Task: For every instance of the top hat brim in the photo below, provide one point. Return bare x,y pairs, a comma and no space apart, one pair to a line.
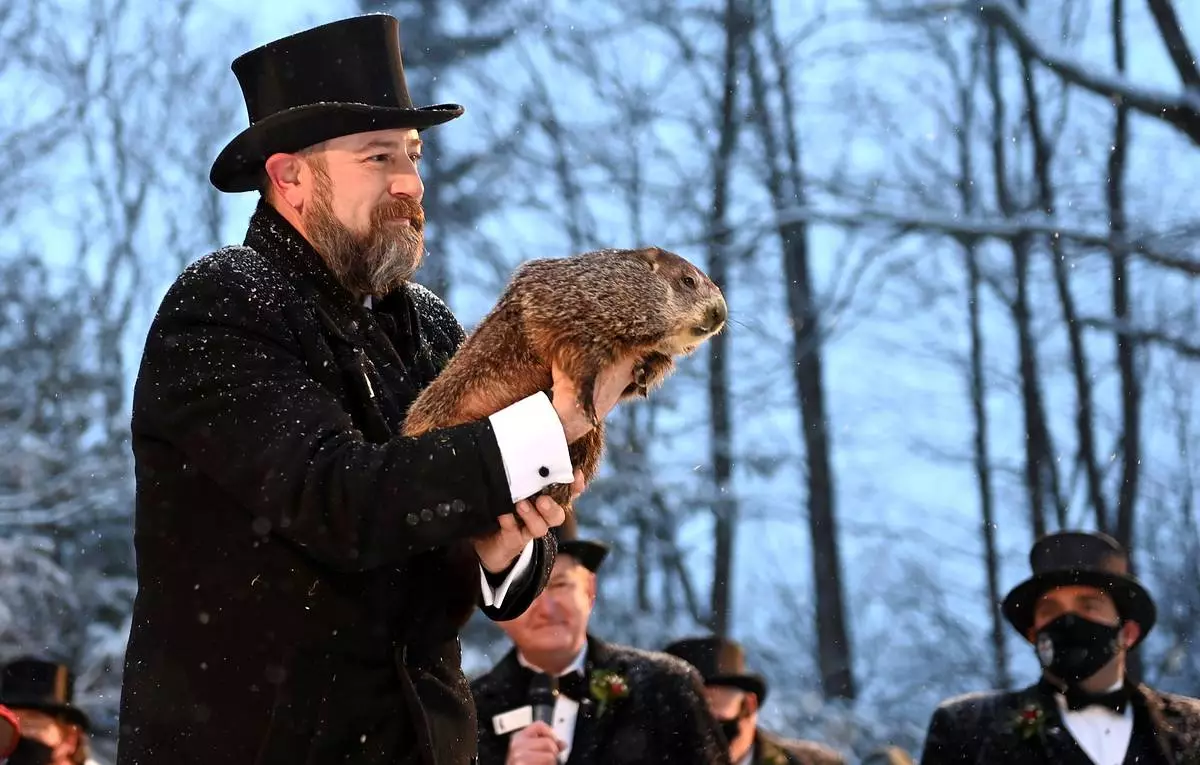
239,165
68,713
589,554
751,682
1131,598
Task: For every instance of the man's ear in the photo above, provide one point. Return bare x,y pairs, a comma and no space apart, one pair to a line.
1130,632
591,587
284,172
751,702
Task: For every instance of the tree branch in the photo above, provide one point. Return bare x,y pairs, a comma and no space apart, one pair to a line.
1177,45
1004,229
1180,110
1143,335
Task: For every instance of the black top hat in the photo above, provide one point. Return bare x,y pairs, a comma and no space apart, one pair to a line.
720,662
41,685
336,79
589,553
1080,558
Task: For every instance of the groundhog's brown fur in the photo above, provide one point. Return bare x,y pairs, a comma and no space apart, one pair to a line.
586,313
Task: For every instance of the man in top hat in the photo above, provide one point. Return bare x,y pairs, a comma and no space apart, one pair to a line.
600,703
53,731
1082,612
734,696
304,570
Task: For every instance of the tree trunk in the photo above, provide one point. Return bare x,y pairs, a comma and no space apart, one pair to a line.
1043,160
1041,479
785,182
978,384
725,508
1131,394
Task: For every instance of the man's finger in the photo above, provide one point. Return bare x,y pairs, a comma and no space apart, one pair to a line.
552,513
508,521
535,523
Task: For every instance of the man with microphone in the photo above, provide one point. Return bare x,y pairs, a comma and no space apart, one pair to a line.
564,697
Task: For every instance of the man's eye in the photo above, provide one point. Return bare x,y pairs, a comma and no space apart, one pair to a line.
380,158
415,158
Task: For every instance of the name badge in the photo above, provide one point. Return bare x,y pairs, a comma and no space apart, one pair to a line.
512,720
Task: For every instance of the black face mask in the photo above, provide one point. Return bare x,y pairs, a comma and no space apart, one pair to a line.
731,728
1073,648
31,752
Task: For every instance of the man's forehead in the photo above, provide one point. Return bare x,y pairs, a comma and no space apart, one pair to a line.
1074,592
564,565
360,141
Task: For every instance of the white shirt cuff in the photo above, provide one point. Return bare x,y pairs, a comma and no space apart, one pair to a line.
493,598
533,446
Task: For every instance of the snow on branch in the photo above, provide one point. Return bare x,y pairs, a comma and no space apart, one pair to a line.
1180,109
1005,229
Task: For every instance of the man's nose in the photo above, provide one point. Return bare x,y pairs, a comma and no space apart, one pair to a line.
408,184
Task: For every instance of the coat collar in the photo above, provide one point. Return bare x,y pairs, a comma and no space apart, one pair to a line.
271,235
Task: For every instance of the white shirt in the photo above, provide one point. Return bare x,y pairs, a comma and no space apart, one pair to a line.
531,441
1102,734
566,710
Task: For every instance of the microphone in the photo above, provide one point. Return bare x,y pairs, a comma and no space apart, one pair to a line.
543,693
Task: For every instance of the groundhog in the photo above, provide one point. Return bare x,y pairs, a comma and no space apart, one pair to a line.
586,313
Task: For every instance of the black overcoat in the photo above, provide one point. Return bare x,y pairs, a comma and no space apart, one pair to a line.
303,571
984,729
663,719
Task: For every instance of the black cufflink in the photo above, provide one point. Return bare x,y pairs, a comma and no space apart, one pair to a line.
543,471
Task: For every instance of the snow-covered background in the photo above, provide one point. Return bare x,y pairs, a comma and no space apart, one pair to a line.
867,129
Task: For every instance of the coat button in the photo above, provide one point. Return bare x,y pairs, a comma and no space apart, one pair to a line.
458,506
427,515
443,509
411,519
544,471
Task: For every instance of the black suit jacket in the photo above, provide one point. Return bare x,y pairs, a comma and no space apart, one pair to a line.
978,729
663,719
303,571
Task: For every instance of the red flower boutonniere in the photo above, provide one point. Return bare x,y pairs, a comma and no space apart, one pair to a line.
1030,721
606,687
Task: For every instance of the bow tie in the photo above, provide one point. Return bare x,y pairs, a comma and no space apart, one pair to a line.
573,684
1115,700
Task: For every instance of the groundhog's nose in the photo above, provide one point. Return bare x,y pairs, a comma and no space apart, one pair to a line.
717,314
714,318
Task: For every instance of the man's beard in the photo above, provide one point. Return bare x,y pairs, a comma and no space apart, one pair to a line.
374,263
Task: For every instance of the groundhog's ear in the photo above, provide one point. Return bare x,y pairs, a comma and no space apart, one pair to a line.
650,255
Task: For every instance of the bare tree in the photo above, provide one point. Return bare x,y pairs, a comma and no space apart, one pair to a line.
736,23
1131,394
784,178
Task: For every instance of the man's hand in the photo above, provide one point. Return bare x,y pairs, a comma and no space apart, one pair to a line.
534,744
610,384
497,551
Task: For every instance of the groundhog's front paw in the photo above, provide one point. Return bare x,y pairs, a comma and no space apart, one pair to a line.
638,387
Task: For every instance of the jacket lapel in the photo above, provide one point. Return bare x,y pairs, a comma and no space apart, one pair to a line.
377,382
1051,743
591,728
